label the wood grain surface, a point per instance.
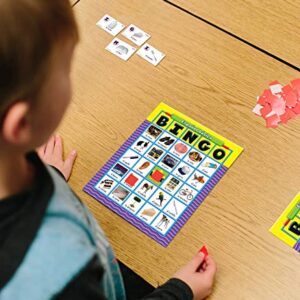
(271, 25)
(214, 79)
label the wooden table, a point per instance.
(74, 2)
(214, 79)
(270, 25)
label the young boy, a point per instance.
(50, 246)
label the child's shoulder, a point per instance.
(66, 218)
(62, 247)
(56, 256)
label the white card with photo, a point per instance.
(179, 149)
(131, 180)
(141, 145)
(120, 49)
(166, 141)
(110, 25)
(186, 194)
(152, 133)
(150, 54)
(194, 158)
(134, 203)
(155, 153)
(130, 158)
(136, 35)
(209, 166)
(143, 167)
(171, 185)
(183, 171)
(106, 185)
(146, 189)
(118, 171)
(163, 223)
(197, 180)
(174, 208)
(168, 162)
(160, 198)
(119, 194)
(148, 213)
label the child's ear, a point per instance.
(15, 125)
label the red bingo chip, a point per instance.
(204, 251)
(279, 104)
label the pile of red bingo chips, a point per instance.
(278, 104)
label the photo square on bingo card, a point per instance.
(175, 208)
(130, 158)
(171, 184)
(134, 203)
(183, 171)
(119, 194)
(155, 153)
(160, 198)
(157, 175)
(146, 189)
(179, 149)
(162, 223)
(152, 133)
(141, 145)
(132, 180)
(106, 184)
(166, 141)
(118, 171)
(197, 180)
(186, 194)
(143, 166)
(169, 162)
(148, 213)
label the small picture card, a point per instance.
(152, 55)
(110, 25)
(120, 49)
(136, 35)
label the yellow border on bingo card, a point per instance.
(170, 112)
(288, 215)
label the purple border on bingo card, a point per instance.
(297, 246)
(164, 240)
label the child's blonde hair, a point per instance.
(29, 31)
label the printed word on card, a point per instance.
(120, 49)
(110, 25)
(136, 35)
(152, 55)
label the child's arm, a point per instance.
(86, 285)
(187, 284)
(193, 281)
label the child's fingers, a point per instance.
(41, 150)
(211, 267)
(203, 267)
(69, 162)
(209, 260)
(194, 264)
(58, 147)
(50, 146)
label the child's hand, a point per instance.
(52, 154)
(199, 280)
